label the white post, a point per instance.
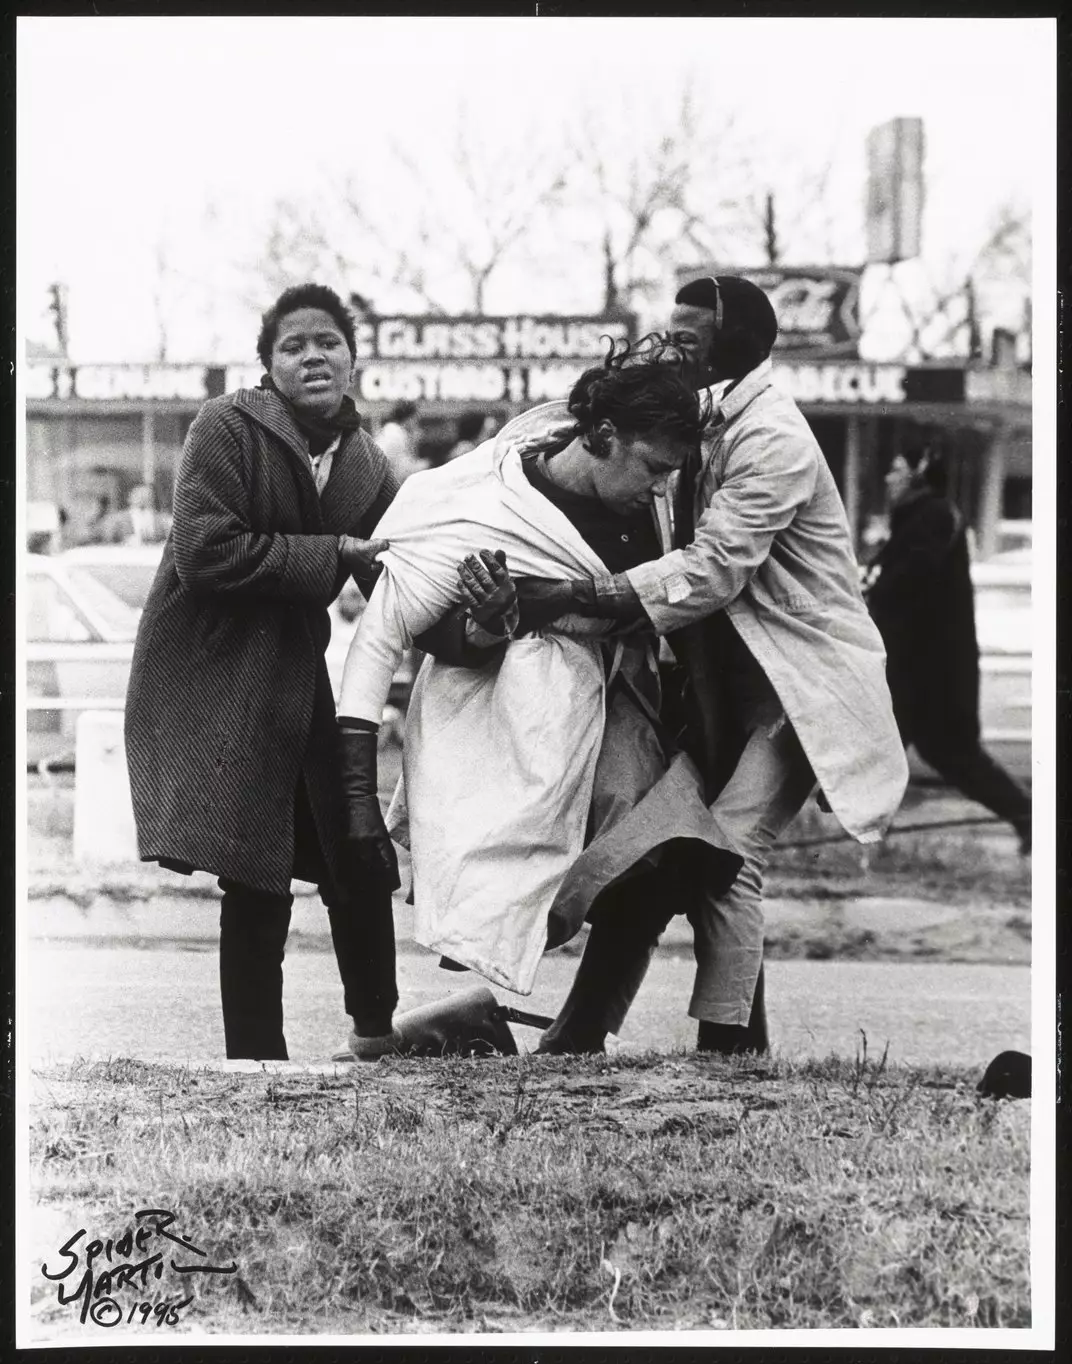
(148, 448)
(991, 495)
(851, 491)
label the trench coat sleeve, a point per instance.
(914, 557)
(375, 652)
(770, 475)
(217, 551)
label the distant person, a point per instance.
(398, 438)
(920, 595)
(472, 430)
(140, 523)
(95, 528)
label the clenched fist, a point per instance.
(359, 556)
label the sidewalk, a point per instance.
(955, 895)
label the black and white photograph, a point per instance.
(535, 681)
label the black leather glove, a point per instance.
(543, 600)
(366, 833)
(489, 591)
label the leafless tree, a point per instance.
(689, 184)
(961, 297)
(652, 187)
(446, 229)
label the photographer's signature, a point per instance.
(97, 1271)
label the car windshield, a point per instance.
(115, 592)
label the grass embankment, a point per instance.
(538, 1194)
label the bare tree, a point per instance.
(690, 185)
(654, 187)
(958, 299)
(448, 228)
(162, 303)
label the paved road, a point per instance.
(161, 1002)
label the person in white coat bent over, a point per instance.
(760, 599)
(538, 789)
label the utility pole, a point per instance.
(975, 340)
(769, 234)
(58, 308)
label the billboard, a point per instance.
(894, 190)
(817, 307)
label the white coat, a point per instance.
(499, 763)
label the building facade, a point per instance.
(94, 432)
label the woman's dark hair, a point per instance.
(929, 469)
(640, 389)
(304, 296)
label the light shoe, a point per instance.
(372, 1048)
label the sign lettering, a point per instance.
(857, 384)
(818, 309)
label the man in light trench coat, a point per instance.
(759, 596)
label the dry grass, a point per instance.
(538, 1194)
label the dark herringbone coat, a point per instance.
(229, 702)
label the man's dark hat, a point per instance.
(737, 304)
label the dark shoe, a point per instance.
(568, 1046)
(723, 1039)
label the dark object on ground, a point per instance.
(1008, 1076)
(472, 1023)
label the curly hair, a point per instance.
(640, 390)
(304, 296)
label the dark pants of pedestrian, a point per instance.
(966, 765)
(253, 935)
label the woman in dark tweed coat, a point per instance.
(230, 720)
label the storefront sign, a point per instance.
(117, 382)
(818, 309)
(464, 338)
(466, 383)
(859, 385)
(521, 358)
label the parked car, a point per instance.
(82, 613)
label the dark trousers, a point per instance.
(625, 927)
(966, 765)
(253, 934)
(622, 938)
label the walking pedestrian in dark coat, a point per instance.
(230, 719)
(921, 598)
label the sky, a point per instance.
(130, 129)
